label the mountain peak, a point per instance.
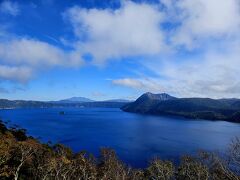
(146, 101)
(160, 96)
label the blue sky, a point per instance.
(100, 49)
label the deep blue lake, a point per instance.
(136, 138)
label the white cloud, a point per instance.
(132, 30)
(35, 53)
(9, 7)
(142, 84)
(203, 36)
(128, 82)
(207, 64)
(19, 58)
(214, 74)
(19, 73)
(136, 28)
(202, 20)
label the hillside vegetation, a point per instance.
(197, 108)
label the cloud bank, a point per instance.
(207, 33)
(20, 58)
(132, 30)
(192, 47)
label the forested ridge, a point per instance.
(193, 108)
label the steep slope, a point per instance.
(145, 102)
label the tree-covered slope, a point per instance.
(202, 108)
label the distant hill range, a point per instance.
(198, 108)
(74, 100)
(86, 100)
(71, 102)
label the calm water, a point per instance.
(136, 138)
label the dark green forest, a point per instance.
(23, 157)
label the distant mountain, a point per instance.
(145, 102)
(200, 108)
(75, 100)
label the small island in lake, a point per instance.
(61, 112)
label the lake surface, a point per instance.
(136, 138)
